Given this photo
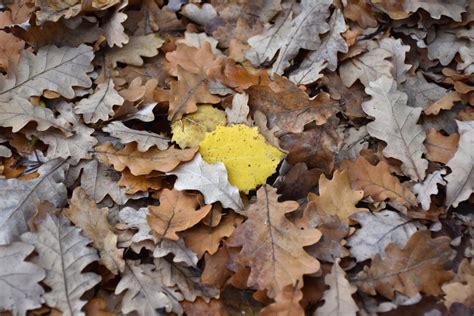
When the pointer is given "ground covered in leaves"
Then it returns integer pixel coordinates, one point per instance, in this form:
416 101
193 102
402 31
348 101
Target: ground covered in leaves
233 157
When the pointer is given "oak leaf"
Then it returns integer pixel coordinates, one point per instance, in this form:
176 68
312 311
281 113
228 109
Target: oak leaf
144 139
181 253
85 214
114 30
395 123
422 93
377 182
336 196
239 111
100 104
133 184
97 307
418 267
187 92
190 59
177 212
142 163
376 232
191 129
248 159
52 68
286 303
338 299
429 187
436 8
210 179
20 289
398 51
440 148
136 48
272 246
461 179
63 253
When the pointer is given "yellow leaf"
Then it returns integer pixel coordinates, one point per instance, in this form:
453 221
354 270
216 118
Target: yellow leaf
248 159
189 131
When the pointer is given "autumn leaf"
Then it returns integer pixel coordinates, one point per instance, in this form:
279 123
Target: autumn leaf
440 148
176 212
248 159
143 139
136 48
272 246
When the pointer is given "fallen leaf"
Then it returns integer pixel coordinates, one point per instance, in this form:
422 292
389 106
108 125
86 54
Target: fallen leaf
143 139
239 111
440 148
423 191
177 212
97 307
134 184
286 303
272 246
137 47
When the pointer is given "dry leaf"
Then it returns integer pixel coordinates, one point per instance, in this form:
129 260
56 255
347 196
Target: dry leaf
144 139
424 190
272 246
239 111
137 47
440 148
286 303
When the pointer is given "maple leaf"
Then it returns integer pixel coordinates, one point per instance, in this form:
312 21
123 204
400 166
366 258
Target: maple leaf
461 180
377 182
52 68
20 198
190 130
176 212
416 267
84 213
395 123
210 179
20 290
338 299
272 246
142 163
336 196
63 253
248 159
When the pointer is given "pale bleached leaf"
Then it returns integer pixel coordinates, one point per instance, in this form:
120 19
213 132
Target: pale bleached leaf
144 139
136 219
377 231
422 93
178 249
5 151
136 48
338 299
461 179
114 31
20 198
52 68
446 45
20 290
63 253
100 105
398 51
239 111
423 191
395 124
210 179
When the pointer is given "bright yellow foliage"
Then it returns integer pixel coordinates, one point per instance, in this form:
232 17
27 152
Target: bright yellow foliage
248 159
190 130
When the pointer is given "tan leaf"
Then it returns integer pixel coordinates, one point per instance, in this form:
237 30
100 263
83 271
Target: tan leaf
377 182
83 212
10 45
445 103
134 184
366 67
52 68
395 124
440 148
338 299
286 303
361 12
142 163
136 48
272 246
114 31
187 92
100 104
144 139
190 59
202 238
461 179
416 268
336 196
215 272
177 211
458 292
97 307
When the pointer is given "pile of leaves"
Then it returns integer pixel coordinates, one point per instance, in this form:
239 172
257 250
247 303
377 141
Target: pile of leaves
227 157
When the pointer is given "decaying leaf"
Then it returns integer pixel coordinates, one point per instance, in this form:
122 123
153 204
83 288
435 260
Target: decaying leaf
210 179
239 111
286 303
136 48
338 299
272 246
63 253
144 139
177 212
429 187
84 213
440 148
417 267
20 290
248 159
395 123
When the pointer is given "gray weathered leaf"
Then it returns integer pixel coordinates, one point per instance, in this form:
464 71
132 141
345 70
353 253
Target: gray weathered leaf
63 253
239 111
461 179
395 124
136 219
446 45
100 105
20 198
136 48
210 179
178 249
429 187
377 231
20 290
398 51
52 68
146 290
114 31
422 93
144 139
